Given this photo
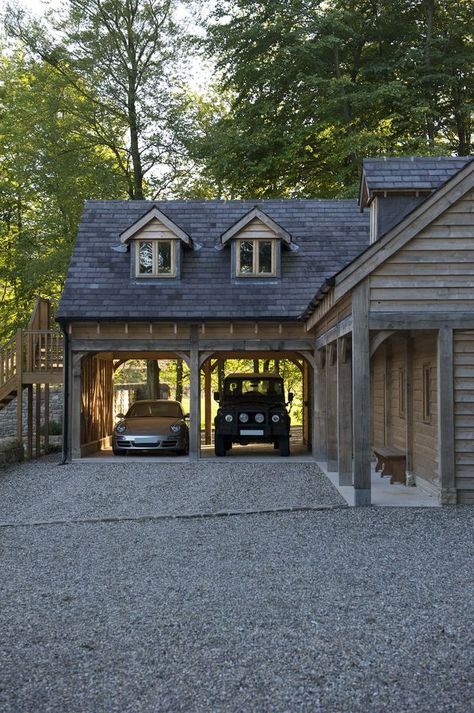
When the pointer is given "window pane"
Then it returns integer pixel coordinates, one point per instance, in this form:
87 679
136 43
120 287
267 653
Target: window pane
246 257
264 256
145 260
164 257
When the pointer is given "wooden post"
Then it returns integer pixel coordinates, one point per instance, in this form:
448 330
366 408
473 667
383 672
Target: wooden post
361 393
256 366
38 420
208 403
29 434
446 457
195 397
306 388
331 407
46 418
344 412
220 374
319 407
388 394
75 399
19 392
409 408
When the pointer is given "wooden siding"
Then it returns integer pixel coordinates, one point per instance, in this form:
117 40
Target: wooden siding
335 314
378 397
434 271
96 399
425 432
256 229
389 425
464 414
155 230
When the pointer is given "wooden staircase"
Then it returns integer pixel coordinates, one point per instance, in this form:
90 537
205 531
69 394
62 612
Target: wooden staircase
32 360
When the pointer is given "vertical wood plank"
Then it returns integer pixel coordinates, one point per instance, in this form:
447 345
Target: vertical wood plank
29 435
319 407
46 418
195 396
207 403
331 407
75 398
19 392
38 420
361 393
344 413
409 415
446 460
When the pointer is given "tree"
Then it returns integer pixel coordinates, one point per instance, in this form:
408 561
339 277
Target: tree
307 89
119 54
49 165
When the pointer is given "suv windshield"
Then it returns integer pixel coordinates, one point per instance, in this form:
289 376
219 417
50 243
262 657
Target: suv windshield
269 388
155 409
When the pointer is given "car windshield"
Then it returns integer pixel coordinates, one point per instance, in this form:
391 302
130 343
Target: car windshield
155 409
255 387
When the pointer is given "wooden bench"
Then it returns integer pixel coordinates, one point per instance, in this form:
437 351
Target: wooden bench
391 461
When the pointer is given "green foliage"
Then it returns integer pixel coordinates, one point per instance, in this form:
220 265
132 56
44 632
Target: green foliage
49 166
307 89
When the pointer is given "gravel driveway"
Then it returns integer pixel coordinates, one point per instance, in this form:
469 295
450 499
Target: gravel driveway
338 610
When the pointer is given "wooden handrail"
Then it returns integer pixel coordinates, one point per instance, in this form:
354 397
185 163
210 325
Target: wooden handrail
8 360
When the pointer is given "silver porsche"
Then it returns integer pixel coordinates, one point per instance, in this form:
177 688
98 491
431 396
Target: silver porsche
151 426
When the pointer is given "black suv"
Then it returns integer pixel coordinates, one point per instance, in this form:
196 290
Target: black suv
252 409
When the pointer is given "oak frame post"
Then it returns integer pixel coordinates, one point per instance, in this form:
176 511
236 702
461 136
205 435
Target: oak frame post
331 407
319 406
446 455
75 400
195 396
361 404
208 402
19 393
344 412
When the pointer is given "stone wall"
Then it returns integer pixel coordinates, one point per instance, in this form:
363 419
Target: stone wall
8 414
11 451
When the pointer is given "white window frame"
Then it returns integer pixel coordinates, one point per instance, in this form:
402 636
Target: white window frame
155 273
373 220
255 257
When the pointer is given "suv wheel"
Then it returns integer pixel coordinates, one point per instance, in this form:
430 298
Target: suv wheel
284 444
219 446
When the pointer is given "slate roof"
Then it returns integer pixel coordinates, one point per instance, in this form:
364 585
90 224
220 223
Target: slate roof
99 286
411 172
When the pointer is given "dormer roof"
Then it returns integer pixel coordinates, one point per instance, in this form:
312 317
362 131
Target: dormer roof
256 216
407 174
159 224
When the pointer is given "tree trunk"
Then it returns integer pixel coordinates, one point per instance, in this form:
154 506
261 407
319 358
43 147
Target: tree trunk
153 379
134 142
179 379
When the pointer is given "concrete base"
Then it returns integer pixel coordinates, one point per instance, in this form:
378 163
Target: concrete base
362 498
382 493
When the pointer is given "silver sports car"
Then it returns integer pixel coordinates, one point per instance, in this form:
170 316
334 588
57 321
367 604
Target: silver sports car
151 425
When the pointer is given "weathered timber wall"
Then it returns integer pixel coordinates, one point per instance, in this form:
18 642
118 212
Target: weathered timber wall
464 414
434 271
378 394
96 400
425 431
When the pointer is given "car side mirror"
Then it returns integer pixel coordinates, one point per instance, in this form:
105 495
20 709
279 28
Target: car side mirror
217 396
291 396
120 415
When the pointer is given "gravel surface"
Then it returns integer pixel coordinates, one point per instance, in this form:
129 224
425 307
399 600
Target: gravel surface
343 611
42 490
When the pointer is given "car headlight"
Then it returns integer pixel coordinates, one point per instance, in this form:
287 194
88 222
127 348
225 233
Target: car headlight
244 417
259 417
275 418
229 418
120 428
175 428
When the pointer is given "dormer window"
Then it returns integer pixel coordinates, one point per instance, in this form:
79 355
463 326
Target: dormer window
256 258
155 258
156 246
256 242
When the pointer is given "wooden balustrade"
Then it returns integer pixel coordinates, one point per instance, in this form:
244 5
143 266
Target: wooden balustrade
43 350
8 361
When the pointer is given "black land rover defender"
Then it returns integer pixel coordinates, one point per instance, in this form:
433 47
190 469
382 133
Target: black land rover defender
252 409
